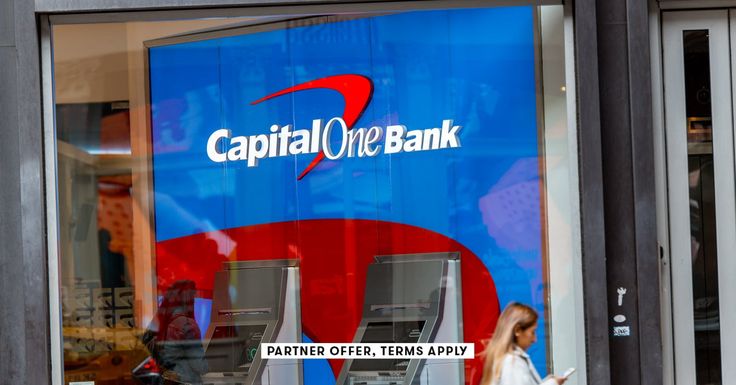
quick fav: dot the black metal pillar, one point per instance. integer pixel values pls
(620, 260)
(591, 193)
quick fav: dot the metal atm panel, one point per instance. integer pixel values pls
(253, 302)
(411, 298)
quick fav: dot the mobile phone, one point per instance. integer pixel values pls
(568, 373)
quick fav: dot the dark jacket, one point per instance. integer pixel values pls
(181, 352)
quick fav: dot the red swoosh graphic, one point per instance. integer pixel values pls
(357, 91)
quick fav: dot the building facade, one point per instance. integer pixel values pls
(206, 176)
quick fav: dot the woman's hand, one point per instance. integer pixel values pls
(559, 380)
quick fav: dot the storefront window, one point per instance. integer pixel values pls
(387, 176)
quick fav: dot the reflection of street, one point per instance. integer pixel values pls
(510, 211)
(103, 355)
(511, 207)
(511, 214)
(99, 335)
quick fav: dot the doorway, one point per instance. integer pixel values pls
(698, 55)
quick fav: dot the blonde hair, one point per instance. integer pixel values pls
(515, 317)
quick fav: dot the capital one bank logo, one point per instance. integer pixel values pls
(357, 91)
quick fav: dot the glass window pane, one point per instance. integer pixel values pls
(702, 206)
(370, 177)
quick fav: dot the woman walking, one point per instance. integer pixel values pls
(506, 360)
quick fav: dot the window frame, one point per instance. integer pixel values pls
(55, 12)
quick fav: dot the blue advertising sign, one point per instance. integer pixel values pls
(413, 129)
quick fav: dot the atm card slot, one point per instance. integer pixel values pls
(398, 306)
(232, 312)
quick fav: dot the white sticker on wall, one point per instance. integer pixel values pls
(619, 318)
(621, 292)
(621, 331)
(82, 383)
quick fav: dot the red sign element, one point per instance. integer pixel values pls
(357, 91)
(334, 255)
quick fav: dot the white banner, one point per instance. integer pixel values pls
(367, 351)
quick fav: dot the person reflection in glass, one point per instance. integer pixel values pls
(113, 271)
(180, 354)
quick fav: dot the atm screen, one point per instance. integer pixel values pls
(233, 348)
(405, 332)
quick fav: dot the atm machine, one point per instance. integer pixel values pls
(253, 302)
(410, 298)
